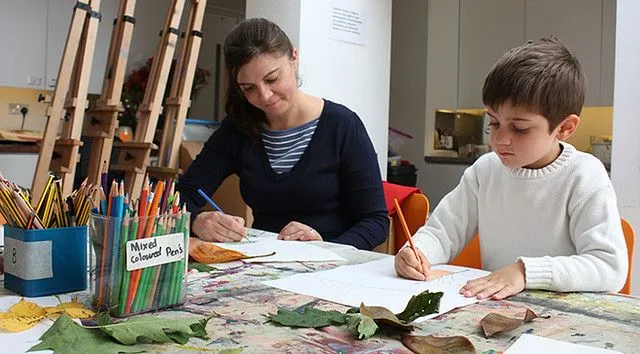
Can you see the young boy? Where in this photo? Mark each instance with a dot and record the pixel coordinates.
(546, 213)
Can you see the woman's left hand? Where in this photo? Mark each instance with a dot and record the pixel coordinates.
(504, 282)
(300, 232)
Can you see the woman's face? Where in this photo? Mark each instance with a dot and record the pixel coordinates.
(269, 82)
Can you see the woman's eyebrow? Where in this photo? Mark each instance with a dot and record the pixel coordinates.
(269, 73)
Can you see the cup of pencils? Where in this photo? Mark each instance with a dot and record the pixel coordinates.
(45, 241)
(140, 251)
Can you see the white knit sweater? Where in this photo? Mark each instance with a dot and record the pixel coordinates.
(561, 220)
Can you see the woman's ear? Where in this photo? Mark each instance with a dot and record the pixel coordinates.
(294, 58)
(567, 127)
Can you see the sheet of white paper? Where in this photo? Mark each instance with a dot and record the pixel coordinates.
(22, 341)
(255, 235)
(532, 344)
(376, 284)
(286, 251)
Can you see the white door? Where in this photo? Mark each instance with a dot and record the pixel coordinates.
(208, 102)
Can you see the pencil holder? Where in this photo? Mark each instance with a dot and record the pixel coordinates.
(140, 262)
(39, 262)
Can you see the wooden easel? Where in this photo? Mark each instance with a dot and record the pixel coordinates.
(101, 122)
(179, 100)
(134, 156)
(60, 155)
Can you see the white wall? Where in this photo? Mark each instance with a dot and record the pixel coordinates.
(351, 74)
(625, 158)
(286, 13)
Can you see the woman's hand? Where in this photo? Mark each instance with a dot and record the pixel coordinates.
(502, 283)
(218, 227)
(410, 267)
(300, 232)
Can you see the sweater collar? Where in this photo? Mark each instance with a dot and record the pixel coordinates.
(561, 161)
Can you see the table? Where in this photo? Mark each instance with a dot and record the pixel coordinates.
(238, 301)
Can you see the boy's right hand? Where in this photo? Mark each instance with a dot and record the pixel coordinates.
(218, 227)
(410, 267)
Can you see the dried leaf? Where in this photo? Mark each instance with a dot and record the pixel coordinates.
(309, 317)
(438, 345)
(66, 336)
(21, 316)
(207, 252)
(363, 325)
(495, 323)
(74, 309)
(382, 316)
(420, 305)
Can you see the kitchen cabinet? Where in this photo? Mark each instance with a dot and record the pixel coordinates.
(23, 37)
(578, 23)
(59, 19)
(34, 33)
(487, 29)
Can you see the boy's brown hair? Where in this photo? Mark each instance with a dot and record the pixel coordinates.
(541, 75)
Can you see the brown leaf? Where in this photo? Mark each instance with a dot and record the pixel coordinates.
(495, 323)
(383, 316)
(207, 253)
(438, 345)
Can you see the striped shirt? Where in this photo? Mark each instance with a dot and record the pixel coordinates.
(284, 147)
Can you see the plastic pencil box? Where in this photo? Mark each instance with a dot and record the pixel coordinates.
(140, 262)
(39, 262)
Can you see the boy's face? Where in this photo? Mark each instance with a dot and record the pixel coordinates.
(521, 137)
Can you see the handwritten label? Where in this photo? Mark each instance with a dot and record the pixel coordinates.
(28, 260)
(153, 251)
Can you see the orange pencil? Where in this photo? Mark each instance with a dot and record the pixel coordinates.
(148, 229)
(406, 229)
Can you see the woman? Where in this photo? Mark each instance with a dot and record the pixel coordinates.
(307, 167)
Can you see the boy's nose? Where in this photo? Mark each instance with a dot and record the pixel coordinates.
(502, 137)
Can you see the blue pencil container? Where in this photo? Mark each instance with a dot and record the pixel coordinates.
(41, 262)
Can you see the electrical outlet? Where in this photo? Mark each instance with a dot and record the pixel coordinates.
(14, 108)
(34, 80)
(51, 82)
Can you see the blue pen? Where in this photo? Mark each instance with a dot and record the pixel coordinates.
(206, 197)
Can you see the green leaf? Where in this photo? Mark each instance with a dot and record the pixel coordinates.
(363, 325)
(103, 318)
(309, 317)
(201, 267)
(155, 329)
(420, 305)
(66, 336)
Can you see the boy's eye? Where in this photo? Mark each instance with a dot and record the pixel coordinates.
(271, 80)
(520, 130)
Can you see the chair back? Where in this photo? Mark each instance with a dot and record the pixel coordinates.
(415, 209)
(470, 255)
(629, 238)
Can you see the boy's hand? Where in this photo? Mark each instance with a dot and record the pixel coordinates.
(502, 283)
(408, 266)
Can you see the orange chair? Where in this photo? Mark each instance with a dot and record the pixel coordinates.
(415, 209)
(470, 255)
(629, 237)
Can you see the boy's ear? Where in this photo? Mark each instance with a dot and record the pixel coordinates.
(568, 127)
